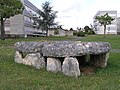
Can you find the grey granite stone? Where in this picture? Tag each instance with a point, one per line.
(94, 53)
(63, 49)
(70, 67)
(53, 65)
(29, 47)
(97, 47)
(33, 59)
(18, 57)
(74, 48)
(99, 60)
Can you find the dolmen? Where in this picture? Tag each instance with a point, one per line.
(62, 56)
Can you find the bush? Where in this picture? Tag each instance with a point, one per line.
(91, 32)
(75, 33)
(81, 34)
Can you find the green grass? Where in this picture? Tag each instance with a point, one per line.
(114, 40)
(15, 76)
(11, 42)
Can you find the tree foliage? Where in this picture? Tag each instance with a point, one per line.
(9, 8)
(104, 20)
(89, 30)
(71, 29)
(47, 17)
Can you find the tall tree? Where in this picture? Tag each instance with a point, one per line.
(47, 17)
(87, 29)
(104, 20)
(9, 8)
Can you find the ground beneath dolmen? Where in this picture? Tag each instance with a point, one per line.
(87, 70)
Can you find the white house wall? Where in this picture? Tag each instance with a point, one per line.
(110, 29)
(22, 24)
(17, 25)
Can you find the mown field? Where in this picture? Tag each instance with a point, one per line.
(15, 76)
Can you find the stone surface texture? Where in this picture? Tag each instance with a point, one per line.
(99, 60)
(71, 48)
(29, 47)
(34, 59)
(18, 57)
(53, 65)
(63, 49)
(70, 67)
(97, 47)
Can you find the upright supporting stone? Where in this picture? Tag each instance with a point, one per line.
(34, 59)
(53, 65)
(18, 57)
(70, 67)
(99, 60)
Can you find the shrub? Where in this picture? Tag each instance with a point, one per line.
(81, 34)
(91, 32)
(75, 33)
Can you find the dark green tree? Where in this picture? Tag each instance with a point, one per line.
(9, 8)
(47, 17)
(87, 29)
(104, 20)
(71, 29)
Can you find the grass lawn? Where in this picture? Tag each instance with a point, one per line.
(114, 40)
(11, 42)
(15, 76)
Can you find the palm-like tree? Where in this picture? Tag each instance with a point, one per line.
(104, 20)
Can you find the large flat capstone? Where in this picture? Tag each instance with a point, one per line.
(74, 48)
(63, 48)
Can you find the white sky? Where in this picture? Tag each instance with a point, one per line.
(78, 13)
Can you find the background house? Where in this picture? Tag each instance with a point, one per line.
(24, 24)
(118, 25)
(110, 29)
(60, 32)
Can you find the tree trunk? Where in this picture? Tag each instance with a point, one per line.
(104, 30)
(46, 32)
(2, 29)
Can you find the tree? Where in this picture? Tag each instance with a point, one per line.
(71, 29)
(87, 29)
(79, 29)
(8, 8)
(104, 20)
(47, 17)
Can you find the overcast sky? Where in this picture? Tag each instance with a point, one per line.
(78, 13)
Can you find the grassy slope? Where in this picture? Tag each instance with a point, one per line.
(11, 42)
(114, 40)
(15, 76)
